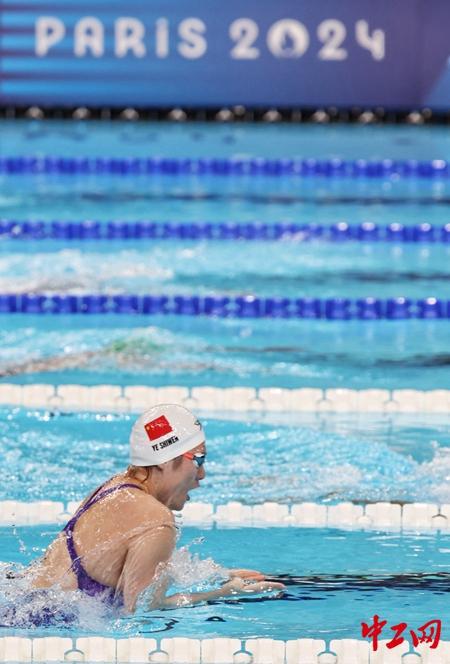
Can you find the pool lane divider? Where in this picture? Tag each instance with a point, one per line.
(222, 306)
(137, 398)
(429, 517)
(220, 650)
(257, 166)
(91, 230)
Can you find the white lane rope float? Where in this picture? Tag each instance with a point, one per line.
(136, 398)
(391, 516)
(180, 650)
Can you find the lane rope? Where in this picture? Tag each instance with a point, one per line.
(137, 398)
(326, 168)
(218, 306)
(379, 515)
(179, 650)
(249, 231)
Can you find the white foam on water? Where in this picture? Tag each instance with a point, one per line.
(188, 571)
(77, 272)
(25, 607)
(435, 474)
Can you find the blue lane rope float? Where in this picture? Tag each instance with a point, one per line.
(366, 168)
(334, 308)
(170, 230)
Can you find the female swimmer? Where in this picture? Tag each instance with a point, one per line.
(123, 535)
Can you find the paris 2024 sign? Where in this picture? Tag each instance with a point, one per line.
(255, 53)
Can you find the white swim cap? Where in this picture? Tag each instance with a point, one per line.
(163, 433)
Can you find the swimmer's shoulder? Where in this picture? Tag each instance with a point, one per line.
(145, 509)
(157, 511)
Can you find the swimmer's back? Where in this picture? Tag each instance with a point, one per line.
(103, 537)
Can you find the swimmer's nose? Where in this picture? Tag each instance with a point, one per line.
(201, 472)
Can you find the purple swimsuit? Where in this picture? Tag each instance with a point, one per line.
(85, 583)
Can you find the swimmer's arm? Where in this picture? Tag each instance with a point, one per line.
(236, 586)
(186, 599)
(183, 599)
(144, 566)
(162, 601)
(146, 555)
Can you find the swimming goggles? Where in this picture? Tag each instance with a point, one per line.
(198, 459)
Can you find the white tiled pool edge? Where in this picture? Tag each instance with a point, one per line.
(381, 515)
(130, 399)
(215, 651)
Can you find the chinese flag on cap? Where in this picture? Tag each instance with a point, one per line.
(157, 428)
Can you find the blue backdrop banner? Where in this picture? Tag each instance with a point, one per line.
(223, 52)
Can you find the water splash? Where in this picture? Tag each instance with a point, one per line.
(189, 572)
(326, 462)
(184, 573)
(25, 607)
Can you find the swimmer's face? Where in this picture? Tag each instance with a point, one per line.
(183, 476)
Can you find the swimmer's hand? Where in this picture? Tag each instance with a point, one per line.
(239, 586)
(246, 574)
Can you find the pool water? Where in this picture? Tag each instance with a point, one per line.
(199, 139)
(228, 268)
(173, 350)
(216, 198)
(302, 457)
(350, 577)
(169, 350)
(335, 579)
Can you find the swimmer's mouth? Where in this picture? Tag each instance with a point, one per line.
(193, 488)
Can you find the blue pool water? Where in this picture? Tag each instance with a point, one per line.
(350, 577)
(200, 139)
(170, 350)
(217, 198)
(324, 458)
(189, 351)
(204, 268)
(285, 458)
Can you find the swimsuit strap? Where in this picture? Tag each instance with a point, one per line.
(84, 580)
(95, 498)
